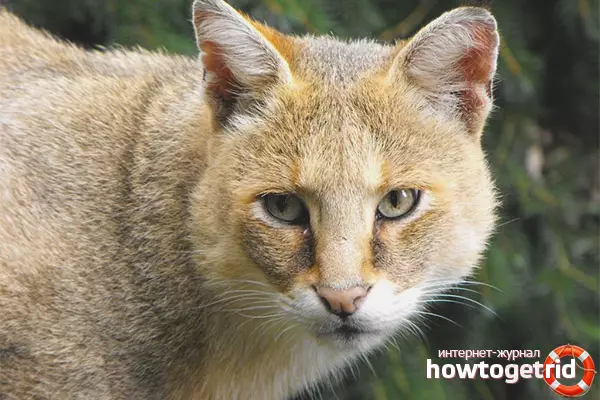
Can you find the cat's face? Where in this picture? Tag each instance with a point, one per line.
(343, 192)
(346, 202)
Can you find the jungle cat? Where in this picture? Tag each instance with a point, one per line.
(237, 225)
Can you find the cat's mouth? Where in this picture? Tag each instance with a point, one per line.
(349, 334)
(350, 331)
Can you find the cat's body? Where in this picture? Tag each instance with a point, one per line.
(134, 262)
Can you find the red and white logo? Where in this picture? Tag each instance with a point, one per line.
(588, 367)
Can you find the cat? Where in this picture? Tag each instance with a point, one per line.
(240, 225)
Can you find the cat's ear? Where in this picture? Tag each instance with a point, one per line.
(453, 60)
(242, 58)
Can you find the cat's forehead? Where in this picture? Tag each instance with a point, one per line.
(354, 141)
(331, 60)
(343, 153)
(352, 162)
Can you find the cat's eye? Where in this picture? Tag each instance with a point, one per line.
(286, 207)
(398, 203)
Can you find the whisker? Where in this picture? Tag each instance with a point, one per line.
(439, 316)
(477, 283)
(451, 289)
(457, 284)
(261, 316)
(263, 324)
(418, 330)
(470, 300)
(250, 308)
(285, 330)
(368, 363)
(507, 222)
(235, 291)
(225, 299)
(447, 301)
(251, 282)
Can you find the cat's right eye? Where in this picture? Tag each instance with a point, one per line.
(286, 207)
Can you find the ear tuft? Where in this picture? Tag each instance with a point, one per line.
(238, 59)
(454, 60)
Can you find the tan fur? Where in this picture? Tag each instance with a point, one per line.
(135, 259)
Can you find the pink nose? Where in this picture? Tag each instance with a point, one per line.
(342, 302)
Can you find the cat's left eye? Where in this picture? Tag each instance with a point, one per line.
(398, 203)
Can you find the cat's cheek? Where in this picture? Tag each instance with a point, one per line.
(396, 257)
(281, 253)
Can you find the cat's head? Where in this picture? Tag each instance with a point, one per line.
(347, 183)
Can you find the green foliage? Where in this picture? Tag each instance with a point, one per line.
(542, 143)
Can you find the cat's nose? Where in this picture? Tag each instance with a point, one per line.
(342, 303)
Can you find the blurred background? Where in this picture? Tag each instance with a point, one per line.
(542, 270)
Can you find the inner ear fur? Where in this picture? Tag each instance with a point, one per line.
(243, 59)
(453, 59)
